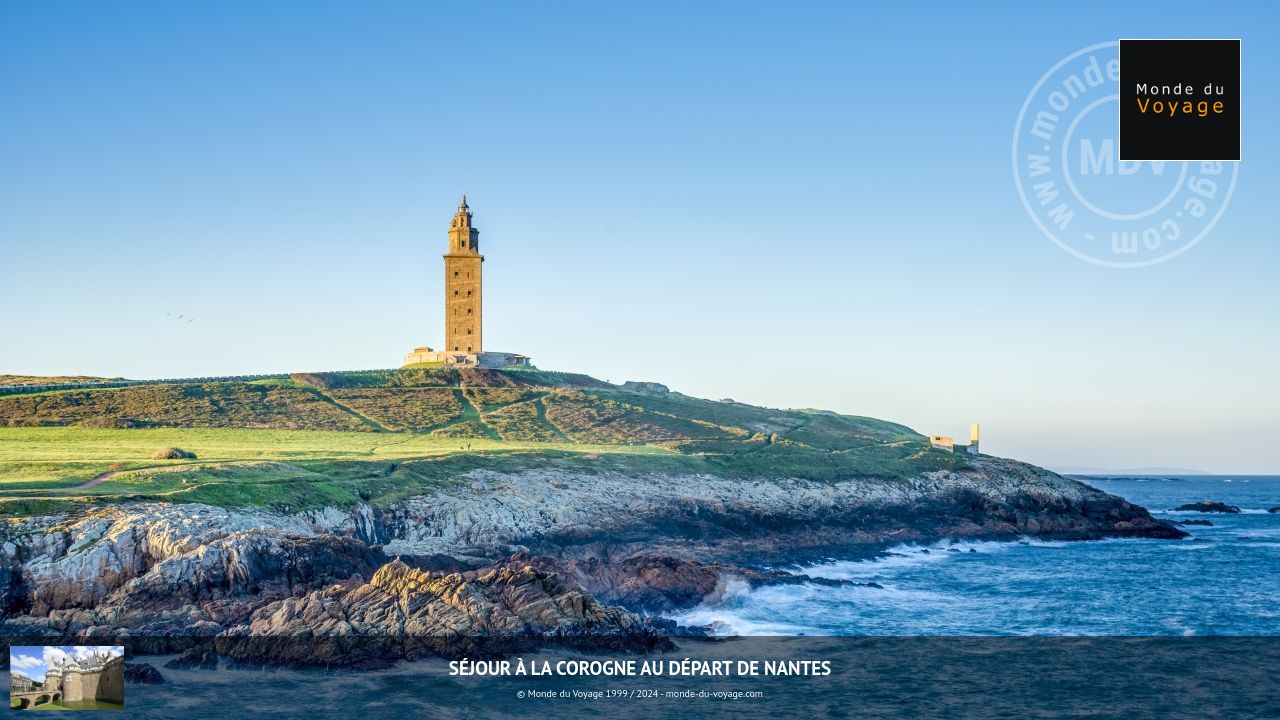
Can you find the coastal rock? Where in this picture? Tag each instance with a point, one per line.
(404, 612)
(659, 584)
(1274, 509)
(746, 521)
(1204, 523)
(1208, 506)
(142, 674)
(650, 542)
(646, 386)
(185, 569)
(650, 582)
(198, 657)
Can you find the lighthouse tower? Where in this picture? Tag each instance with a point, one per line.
(463, 286)
(463, 305)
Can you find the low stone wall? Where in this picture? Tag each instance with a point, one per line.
(494, 360)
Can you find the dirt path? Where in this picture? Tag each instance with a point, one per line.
(540, 406)
(324, 397)
(469, 413)
(108, 475)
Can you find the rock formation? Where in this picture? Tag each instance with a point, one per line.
(496, 562)
(142, 674)
(404, 612)
(1208, 506)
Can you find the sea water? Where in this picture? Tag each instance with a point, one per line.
(1223, 580)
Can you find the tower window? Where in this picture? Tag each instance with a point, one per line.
(468, 331)
(455, 273)
(455, 293)
(468, 293)
(468, 311)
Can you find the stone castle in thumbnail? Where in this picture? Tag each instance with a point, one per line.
(463, 304)
(98, 677)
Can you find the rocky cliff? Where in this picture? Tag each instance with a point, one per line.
(532, 556)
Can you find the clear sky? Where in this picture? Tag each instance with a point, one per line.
(34, 661)
(790, 204)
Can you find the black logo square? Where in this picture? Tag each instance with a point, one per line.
(1179, 99)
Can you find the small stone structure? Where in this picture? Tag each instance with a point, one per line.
(943, 442)
(463, 305)
(427, 356)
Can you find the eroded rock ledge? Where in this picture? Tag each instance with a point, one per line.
(403, 612)
(502, 561)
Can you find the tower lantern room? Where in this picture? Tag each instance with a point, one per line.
(463, 238)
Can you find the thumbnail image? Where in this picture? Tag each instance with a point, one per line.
(66, 677)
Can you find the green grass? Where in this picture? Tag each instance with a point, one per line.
(24, 450)
(41, 467)
(86, 705)
(291, 470)
(379, 436)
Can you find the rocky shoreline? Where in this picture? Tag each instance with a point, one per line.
(500, 563)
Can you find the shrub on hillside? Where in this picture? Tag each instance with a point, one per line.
(110, 423)
(220, 404)
(323, 381)
(174, 453)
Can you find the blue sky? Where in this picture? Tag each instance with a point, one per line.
(788, 204)
(35, 660)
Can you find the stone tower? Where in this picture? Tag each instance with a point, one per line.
(463, 315)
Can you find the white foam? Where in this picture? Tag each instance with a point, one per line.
(734, 621)
(912, 555)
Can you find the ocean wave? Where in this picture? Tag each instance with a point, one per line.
(914, 554)
(729, 624)
(736, 610)
(1020, 587)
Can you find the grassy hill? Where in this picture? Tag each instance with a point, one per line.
(6, 380)
(333, 438)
